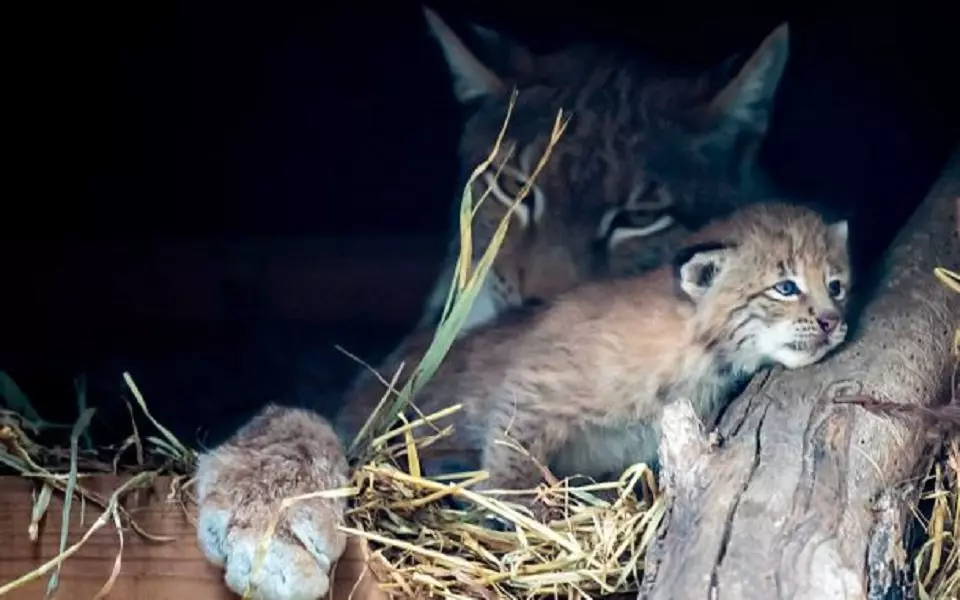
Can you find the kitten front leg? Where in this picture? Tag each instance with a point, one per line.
(282, 452)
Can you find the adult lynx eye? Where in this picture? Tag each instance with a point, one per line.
(787, 288)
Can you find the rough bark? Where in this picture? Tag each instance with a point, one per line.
(805, 498)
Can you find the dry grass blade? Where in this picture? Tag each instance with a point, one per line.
(39, 510)
(82, 423)
(117, 562)
(185, 454)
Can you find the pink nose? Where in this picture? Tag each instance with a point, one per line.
(828, 321)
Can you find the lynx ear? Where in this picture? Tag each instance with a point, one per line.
(733, 123)
(696, 267)
(507, 55)
(746, 102)
(471, 78)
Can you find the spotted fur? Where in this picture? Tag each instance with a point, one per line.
(648, 153)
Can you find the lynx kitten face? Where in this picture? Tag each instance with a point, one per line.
(783, 283)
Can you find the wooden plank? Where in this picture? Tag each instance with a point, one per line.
(149, 571)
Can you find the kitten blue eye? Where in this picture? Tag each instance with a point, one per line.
(835, 288)
(787, 287)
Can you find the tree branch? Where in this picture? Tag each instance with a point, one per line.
(809, 499)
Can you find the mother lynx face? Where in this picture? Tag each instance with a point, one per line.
(772, 284)
(646, 149)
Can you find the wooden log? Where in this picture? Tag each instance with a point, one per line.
(805, 498)
(174, 570)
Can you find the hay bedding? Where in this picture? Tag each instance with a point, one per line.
(421, 544)
(426, 547)
(421, 547)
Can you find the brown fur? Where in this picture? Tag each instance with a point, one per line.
(240, 485)
(642, 144)
(580, 383)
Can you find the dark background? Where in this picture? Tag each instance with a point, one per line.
(216, 192)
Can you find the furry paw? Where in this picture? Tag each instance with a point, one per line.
(281, 453)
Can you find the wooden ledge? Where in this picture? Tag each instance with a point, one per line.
(149, 570)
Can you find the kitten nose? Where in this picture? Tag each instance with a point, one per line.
(828, 321)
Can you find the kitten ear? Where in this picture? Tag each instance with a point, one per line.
(471, 78)
(839, 232)
(696, 267)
